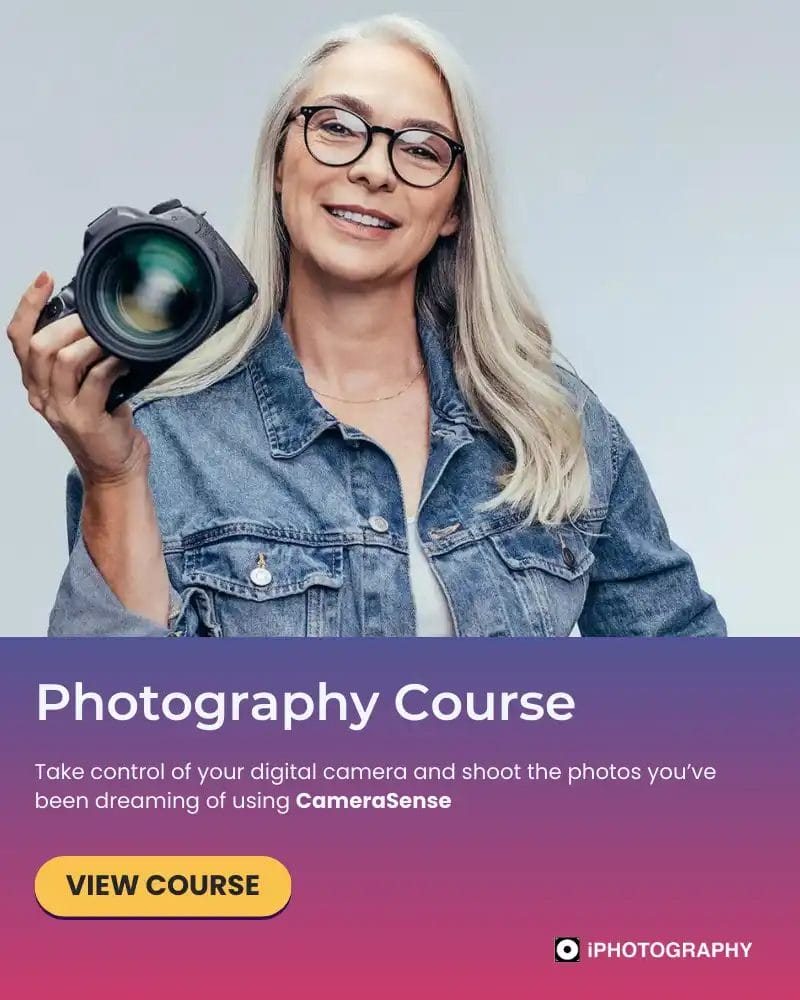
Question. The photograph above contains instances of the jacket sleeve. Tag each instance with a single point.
(86, 606)
(641, 582)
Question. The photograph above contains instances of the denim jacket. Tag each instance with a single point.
(277, 519)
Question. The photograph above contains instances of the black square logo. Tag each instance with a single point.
(568, 949)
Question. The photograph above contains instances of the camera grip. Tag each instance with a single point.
(60, 305)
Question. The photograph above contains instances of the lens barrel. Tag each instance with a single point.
(148, 292)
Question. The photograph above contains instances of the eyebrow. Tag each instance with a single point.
(360, 107)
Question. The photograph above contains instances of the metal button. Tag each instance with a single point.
(261, 576)
(569, 557)
(378, 523)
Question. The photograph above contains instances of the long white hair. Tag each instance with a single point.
(500, 346)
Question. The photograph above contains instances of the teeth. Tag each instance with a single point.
(364, 220)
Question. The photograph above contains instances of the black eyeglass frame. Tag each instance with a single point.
(308, 110)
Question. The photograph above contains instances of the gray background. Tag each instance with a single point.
(648, 159)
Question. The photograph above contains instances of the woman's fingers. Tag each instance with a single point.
(45, 348)
(55, 359)
(72, 357)
(20, 329)
(94, 390)
(68, 378)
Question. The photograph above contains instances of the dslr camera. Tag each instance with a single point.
(151, 287)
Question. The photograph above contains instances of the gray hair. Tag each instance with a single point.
(500, 346)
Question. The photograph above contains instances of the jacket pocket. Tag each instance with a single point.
(549, 570)
(267, 583)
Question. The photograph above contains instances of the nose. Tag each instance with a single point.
(374, 166)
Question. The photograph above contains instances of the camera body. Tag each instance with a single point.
(185, 273)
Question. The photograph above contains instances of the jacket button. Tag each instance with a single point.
(378, 523)
(569, 558)
(261, 576)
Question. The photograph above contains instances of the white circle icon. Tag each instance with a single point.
(567, 949)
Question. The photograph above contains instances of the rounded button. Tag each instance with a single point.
(163, 886)
(261, 576)
(378, 523)
(569, 558)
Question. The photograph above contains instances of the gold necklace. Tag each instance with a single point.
(377, 399)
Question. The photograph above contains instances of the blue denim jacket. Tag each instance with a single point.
(253, 473)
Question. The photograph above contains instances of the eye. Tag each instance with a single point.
(427, 148)
(422, 153)
(335, 128)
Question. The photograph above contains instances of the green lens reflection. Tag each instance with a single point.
(152, 287)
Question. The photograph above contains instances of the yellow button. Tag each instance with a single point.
(171, 886)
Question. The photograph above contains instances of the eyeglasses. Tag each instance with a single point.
(337, 138)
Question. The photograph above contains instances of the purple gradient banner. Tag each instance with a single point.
(673, 819)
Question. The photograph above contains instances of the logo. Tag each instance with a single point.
(568, 949)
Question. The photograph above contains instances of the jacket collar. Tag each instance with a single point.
(294, 418)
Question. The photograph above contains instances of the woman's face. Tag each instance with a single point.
(398, 84)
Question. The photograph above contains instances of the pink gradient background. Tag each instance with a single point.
(462, 903)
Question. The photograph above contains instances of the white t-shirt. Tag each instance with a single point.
(433, 613)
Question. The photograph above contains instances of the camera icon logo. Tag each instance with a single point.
(568, 949)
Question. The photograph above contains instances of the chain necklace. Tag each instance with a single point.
(377, 399)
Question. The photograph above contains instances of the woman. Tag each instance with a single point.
(382, 444)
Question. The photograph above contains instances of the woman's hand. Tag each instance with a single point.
(68, 377)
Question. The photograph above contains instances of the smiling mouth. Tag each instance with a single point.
(360, 220)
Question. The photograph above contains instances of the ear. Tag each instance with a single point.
(450, 224)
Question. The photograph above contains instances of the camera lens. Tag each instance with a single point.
(151, 289)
